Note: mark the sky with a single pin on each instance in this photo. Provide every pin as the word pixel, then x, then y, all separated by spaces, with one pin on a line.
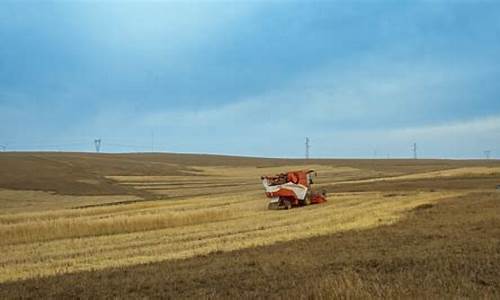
pixel 361 79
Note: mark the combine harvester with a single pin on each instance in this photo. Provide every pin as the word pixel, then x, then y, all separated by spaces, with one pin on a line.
pixel 291 189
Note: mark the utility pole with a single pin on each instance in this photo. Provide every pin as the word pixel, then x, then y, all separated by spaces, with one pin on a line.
pixel 152 141
pixel 97 143
pixel 487 154
pixel 414 148
pixel 308 146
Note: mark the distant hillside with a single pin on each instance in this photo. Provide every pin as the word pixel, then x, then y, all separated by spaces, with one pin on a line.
pixel 83 173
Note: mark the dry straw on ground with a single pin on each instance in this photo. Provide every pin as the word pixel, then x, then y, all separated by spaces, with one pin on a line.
pixel 209 210
pixel 68 240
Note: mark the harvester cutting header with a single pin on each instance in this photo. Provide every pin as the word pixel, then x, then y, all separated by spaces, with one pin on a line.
pixel 291 189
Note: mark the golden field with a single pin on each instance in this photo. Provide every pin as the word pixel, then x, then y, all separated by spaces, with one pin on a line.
pixel 212 209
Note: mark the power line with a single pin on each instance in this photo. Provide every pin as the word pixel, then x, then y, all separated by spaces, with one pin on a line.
pixel 128 145
pixel 308 146
pixel 137 148
pixel 45 146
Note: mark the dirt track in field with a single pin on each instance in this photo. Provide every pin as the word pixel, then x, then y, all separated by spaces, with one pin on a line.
pixel 202 228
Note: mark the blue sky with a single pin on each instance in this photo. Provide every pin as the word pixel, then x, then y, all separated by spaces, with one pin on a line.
pixel 361 79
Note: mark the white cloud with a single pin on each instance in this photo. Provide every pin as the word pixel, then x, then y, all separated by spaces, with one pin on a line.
pixel 340 114
pixel 362 95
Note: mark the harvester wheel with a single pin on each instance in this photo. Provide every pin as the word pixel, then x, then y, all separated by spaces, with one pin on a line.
pixel 272 206
pixel 287 204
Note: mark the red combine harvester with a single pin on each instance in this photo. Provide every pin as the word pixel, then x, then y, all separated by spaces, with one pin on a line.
pixel 291 189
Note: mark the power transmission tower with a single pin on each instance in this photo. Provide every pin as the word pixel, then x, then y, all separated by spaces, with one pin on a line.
pixel 97 143
pixel 308 146
pixel 487 154
pixel 414 148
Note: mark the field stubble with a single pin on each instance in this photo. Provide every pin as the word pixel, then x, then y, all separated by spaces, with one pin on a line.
pixel 209 210
pixel 67 240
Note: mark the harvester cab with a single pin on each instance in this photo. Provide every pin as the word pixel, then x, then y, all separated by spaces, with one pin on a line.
pixel 290 189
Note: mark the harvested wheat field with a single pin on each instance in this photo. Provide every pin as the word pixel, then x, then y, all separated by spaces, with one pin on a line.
pixel 182 226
